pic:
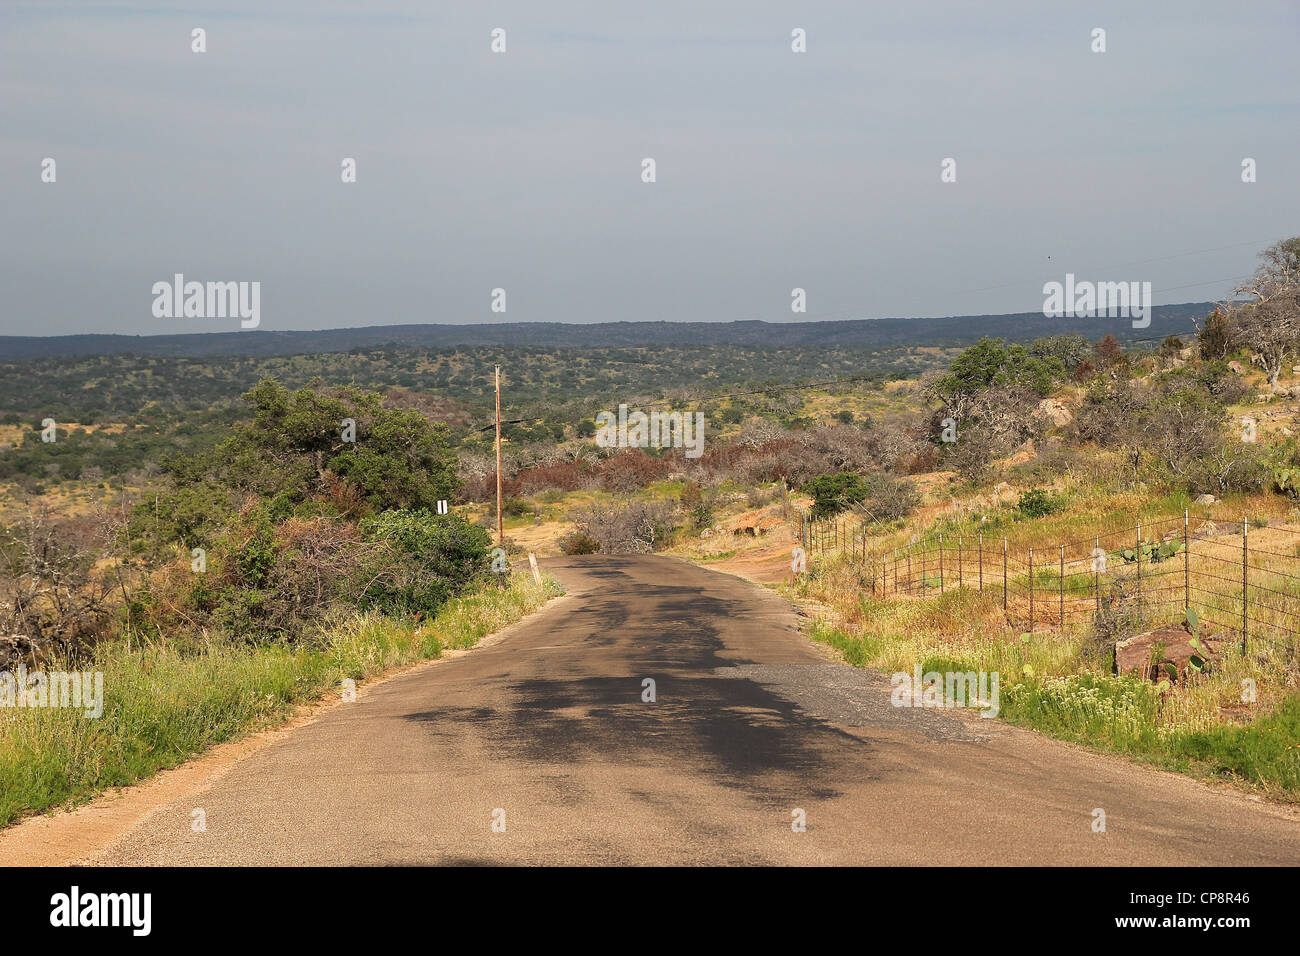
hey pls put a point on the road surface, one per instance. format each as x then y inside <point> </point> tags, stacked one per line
<point>547,729</point>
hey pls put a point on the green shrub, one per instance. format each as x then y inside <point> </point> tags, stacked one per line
<point>835,493</point>
<point>425,559</point>
<point>1038,503</point>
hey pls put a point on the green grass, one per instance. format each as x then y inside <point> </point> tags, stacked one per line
<point>1116,714</point>
<point>162,707</point>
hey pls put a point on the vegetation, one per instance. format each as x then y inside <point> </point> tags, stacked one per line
<point>198,516</point>
<point>161,707</point>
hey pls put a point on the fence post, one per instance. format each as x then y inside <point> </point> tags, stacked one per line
<point>940,564</point>
<point>1137,556</point>
<point>909,569</point>
<point>1060,590</point>
<point>1187,562</point>
<point>1245,585</point>
<point>1004,575</point>
<point>1031,590</point>
<point>981,547</point>
<point>1096,571</point>
<point>959,578</point>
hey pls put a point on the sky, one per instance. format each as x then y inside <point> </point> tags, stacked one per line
<point>522,170</point>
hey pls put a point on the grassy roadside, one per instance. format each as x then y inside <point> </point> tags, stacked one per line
<point>162,707</point>
<point>1045,689</point>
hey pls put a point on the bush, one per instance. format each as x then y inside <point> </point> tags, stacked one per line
<point>638,528</point>
<point>579,542</point>
<point>835,493</point>
<point>425,559</point>
<point>1038,503</point>
<point>294,447</point>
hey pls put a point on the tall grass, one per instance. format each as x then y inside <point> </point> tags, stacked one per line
<point>162,706</point>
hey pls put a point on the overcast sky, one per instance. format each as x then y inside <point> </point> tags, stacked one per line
<point>522,170</point>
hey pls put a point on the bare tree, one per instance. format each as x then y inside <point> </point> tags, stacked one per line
<point>1269,322</point>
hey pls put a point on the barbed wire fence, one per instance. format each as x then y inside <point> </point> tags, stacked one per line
<point>1240,576</point>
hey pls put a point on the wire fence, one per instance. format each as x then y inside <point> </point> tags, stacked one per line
<point>1242,578</point>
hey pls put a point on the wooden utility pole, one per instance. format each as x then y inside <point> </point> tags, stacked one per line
<point>501,536</point>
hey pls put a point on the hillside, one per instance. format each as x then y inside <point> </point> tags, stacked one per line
<point>955,330</point>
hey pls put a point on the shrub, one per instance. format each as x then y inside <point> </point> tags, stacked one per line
<point>835,493</point>
<point>1038,503</point>
<point>579,542</point>
<point>636,528</point>
<point>425,559</point>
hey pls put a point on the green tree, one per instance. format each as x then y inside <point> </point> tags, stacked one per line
<point>835,493</point>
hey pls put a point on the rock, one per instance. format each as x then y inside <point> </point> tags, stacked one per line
<point>1263,397</point>
<point>1281,390</point>
<point>1024,453</point>
<point>1145,656</point>
<point>1236,367</point>
<point>1206,500</point>
<point>1002,491</point>
<point>1054,410</point>
<point>1186,353</point>
<point>706,533</point>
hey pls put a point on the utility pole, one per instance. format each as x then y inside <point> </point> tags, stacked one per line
<point>501,537</point>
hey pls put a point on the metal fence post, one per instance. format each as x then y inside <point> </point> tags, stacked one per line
<point>1245,584</point>
<point>959,580</point>
<point>1096,570</point>
<point>1187,562</point>
<point>1004,575</point>
<point>1137,556</point>
<point>940,564</point>
<point>1060,590</point>
<point>1031,590</point>
<point>981,547</point>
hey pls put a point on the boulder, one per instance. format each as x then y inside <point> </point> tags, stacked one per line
<point>1164,654</point>
<point>1206,500</point>
<point>1054,410</point>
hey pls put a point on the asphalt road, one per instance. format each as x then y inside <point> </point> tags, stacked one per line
<point>750,723</point>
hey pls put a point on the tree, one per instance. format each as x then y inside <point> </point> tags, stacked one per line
<point>1268,322</point>
<point>1108,352</point>
<point>1070,349</point>
<point>297,448</point>
<point>989,363</point>
<point>1214,337</point>
<point>835,493</point>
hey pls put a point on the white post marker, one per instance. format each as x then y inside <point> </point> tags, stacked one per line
<point>442,507</point>
<point>532,563</point>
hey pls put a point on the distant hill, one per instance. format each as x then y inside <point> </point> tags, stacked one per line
<point>955,330</point>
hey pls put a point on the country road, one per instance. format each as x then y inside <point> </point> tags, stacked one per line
<point>750,722</point>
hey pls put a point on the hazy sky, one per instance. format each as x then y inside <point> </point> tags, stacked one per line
<point>522,170</point>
